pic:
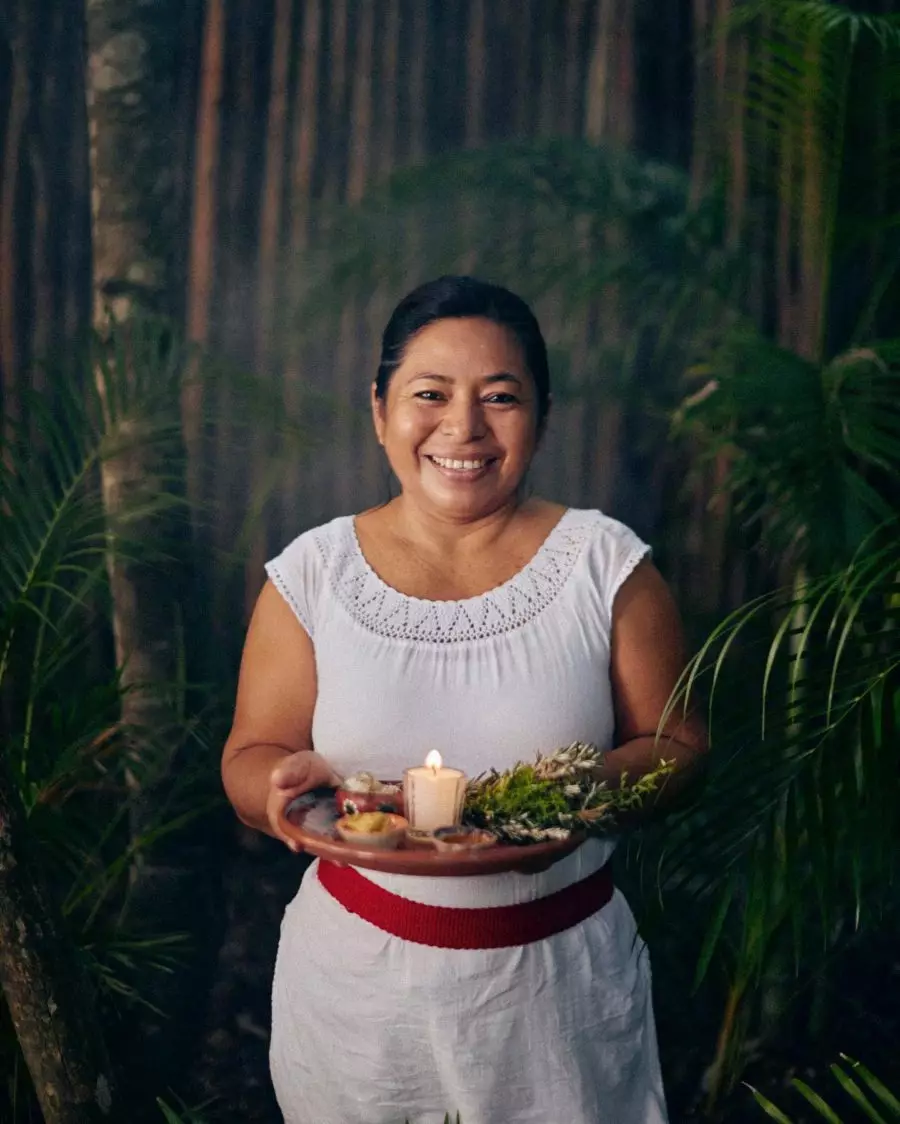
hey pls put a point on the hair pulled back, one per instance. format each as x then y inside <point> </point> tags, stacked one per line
<point>456,297</point>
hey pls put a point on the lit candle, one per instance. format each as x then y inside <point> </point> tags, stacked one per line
<point>433,794</point>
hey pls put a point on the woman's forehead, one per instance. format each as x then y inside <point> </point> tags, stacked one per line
<point>462,346</point>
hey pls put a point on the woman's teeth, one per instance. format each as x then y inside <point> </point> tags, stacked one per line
<point>459,465</point>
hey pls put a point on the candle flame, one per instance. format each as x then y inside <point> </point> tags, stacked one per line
<point>434,760</point>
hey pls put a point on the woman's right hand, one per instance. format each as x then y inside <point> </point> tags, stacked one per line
<point>291,777</point>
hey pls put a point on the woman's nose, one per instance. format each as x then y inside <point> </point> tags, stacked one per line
<point>464,420</point>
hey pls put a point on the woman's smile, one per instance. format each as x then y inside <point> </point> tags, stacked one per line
<point>462,469</point>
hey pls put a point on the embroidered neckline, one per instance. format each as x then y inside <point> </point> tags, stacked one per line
<point>381,609</point>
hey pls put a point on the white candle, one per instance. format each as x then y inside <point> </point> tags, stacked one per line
<point>433,794</point>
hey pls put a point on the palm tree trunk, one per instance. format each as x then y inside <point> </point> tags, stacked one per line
<point>349,388</point>
<point>49,998</point>
<point>269,270</point>
<point>201,261</point>
<point>131,100</point>
<point>127,114</point>
<point>13,151</point>
<point>303,162</point>
<point>476,55</point>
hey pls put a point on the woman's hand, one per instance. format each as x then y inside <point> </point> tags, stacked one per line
<point>290,778</point>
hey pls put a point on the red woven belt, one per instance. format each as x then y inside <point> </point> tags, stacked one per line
<point>450,927</point>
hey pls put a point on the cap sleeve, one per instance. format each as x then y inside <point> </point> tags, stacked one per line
<point>297,575</point>
<point>615,552</point>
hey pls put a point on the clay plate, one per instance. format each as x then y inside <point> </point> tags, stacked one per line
<point>310,820</point>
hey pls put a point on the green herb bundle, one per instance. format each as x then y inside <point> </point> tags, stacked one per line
<point>558,794</point>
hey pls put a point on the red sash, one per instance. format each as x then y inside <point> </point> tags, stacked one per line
<point>451,927</point>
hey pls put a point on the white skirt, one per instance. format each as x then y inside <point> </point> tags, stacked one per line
<point>370,1029</point>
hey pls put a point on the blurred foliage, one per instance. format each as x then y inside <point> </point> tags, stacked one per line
<point>76,768</point>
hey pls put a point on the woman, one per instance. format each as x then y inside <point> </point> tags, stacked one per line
<point>463,617</point>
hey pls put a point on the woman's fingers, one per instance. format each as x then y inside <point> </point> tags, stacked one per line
<point>278,805</point>
<point>290,774</point>
<point>291,778</point>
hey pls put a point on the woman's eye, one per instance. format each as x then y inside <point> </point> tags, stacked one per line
<point>429,395</point>
<point>502,399</point>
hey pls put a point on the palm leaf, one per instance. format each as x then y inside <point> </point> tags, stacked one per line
<point>794,837</point>
<point>868,1094</point>
<point>812,452</point>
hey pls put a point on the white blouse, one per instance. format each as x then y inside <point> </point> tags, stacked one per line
<point>488,681</point>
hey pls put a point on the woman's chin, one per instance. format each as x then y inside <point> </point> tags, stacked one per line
<point>463,503</point>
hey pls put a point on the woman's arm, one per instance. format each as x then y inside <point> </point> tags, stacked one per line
<point>268,758</point>
<point>646,660</point>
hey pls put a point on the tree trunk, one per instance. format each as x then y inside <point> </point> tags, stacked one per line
<point>346,360</point>
<point>476,53</point>
<point>201,259</point>
<point>269,277</point>
<point>13,150</point>
<point>49,999</point>
<point>303,161</point>
<point>128,106</point>
<point>131,98</point>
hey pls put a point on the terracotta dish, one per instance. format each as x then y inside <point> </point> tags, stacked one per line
<point>311,822</point>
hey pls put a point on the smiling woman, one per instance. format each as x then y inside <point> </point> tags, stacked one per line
<point>464,618</point>
<point>458,419</point>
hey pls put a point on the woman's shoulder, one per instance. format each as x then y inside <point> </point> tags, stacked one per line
<point>320,540</point>
<point>601,525</point>
<point>587,523</point>
<point>608,548</point>
<point>297,571</point>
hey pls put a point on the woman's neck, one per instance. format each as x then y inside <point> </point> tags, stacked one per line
<point>427,532</point>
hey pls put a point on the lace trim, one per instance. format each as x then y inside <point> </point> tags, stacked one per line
<point>637,554</point>
<point>274,572</point>
<point>383,610</point>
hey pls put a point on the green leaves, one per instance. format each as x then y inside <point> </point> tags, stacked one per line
<point>869,1095</point>
<point>560,793</point>
<point>811,451</point>
<point>790,851</point>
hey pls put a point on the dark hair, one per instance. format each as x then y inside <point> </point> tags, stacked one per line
<point>458,297</point>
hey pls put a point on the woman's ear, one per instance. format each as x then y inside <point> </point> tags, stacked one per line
<point>377,414</point>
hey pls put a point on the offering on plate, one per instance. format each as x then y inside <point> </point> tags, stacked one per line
<point>362,792</point>
<point>433,794</point>
<point>560,794</point>
<point>460,837</point>
<point>379,830</point>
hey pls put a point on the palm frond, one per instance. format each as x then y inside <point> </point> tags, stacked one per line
<point>869,1095</point>
<point>813,453</point>
<point>821,16</point>
<point>795,833</point>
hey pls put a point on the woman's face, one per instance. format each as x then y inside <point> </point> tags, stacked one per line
<point>459,422</point>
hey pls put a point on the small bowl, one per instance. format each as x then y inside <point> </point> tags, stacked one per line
<point>349,803</point>
<point>458,837</point>
<point>388,840</point>
<point>420,837</point>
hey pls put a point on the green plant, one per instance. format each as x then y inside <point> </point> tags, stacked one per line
<point>559,793</point>
<point>871,1097</point>
<point>75,767</point>
<point>182,1115</point>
